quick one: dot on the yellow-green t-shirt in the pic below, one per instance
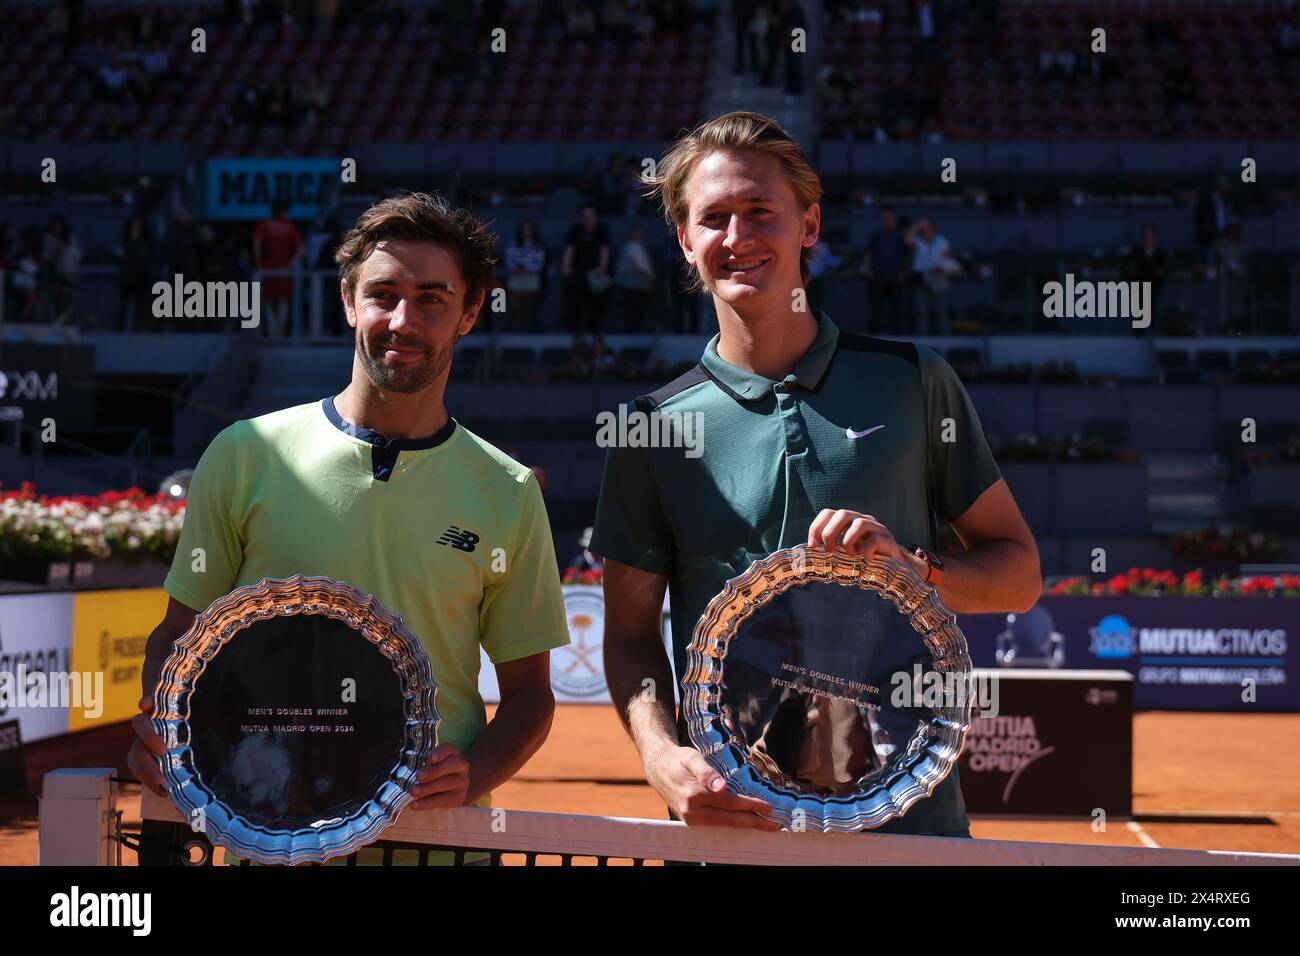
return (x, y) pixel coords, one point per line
(447, 531)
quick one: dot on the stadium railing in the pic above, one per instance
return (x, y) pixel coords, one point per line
(80, 824)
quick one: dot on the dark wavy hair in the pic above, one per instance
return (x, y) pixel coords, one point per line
(421, 217)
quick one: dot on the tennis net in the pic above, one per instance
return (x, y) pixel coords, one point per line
(518, 837)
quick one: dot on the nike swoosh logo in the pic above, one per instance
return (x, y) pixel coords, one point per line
(862, 434)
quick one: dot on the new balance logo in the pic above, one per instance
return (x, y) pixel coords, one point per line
(459, 539)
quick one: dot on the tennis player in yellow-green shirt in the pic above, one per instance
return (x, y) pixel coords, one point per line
(378, 486)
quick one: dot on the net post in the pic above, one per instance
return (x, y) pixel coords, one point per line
(78, 818)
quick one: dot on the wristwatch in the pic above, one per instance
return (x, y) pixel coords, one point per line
(933, 563)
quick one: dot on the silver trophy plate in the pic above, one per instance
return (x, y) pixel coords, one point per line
(834, 687)
(297, 713)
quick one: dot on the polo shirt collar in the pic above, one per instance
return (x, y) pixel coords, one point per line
(374, 438)
(807, 372)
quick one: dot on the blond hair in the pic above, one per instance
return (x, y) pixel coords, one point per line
(741, 131)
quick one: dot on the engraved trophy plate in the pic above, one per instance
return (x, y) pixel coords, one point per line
(834, 687)
(296, 712)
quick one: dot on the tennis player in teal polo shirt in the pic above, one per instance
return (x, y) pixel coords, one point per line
(806, 435)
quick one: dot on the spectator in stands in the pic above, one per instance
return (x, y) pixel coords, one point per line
(139, 84)
(57, 25)
(611, 187)
(1288, 47)
(246, 110)
(28, 281)
(840, 86)
(579, 21)
(113, 77)
(11, 307)
(277, 246)
(685, 296)
(93, 57)
(897, 112)
(1056, 64)
(327, 12)
(641, 20)
(672, 19)
(585, 562)
(635, 276)
(634, 188)
(134, 274)
(333, 319)
(615, 21)
(767, 31)
(525, 270)
(213, 259)
(1211, 217)
(932, 269)
(742, 19)
(274, 101)
(792, 18)
(73, 38)
(884, 263)
(62, 256)
(927, 30)
(1230, 249)
(1148, 263)
(156, 62)
(586, 267)
(180, 244)
(310, 98)
(1230, 253)
(822, 261)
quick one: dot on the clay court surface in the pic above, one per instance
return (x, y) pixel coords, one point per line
(1201, 781)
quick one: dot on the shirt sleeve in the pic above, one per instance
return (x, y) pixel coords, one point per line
(631, 527)
(523, 612)
(210, 550)
(961, 465)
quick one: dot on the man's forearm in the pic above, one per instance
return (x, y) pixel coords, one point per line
(515, 732)
(995, 576)
(640, 681)
(156, 650)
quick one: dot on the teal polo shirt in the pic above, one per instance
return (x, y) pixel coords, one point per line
(872, 425)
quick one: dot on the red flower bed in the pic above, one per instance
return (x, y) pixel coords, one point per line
(1149, 582)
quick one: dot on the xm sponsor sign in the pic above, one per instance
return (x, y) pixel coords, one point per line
(1184, 653)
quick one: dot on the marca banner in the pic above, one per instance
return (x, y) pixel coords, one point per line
(577, 670)
(1184, 653)
(109, 631)
(246, 188)
(35, 646)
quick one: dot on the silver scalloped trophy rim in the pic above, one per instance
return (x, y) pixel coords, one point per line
(186, 663)
(929, 756)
